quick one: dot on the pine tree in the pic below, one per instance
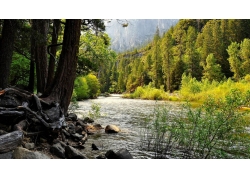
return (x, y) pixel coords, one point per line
(212, 70)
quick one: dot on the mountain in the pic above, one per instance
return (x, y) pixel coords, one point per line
(134, 33)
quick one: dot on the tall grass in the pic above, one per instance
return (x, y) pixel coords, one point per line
(215, 130)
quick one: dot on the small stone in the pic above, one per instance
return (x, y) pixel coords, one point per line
(88, 120)
(29, 145)
(78, 129)
(66, 133)
(94, 147)
(72, 116)
(101, 156)
(77, 136)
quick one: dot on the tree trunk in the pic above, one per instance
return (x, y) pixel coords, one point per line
(6, 50)
(62, 86)
(32, 64)
(51, 69)
(40, 27)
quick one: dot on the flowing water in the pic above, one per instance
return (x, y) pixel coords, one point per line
(127, 114)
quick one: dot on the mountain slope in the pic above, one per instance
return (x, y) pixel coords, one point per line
(137, 33)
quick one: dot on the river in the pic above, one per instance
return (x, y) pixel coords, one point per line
(127, 114)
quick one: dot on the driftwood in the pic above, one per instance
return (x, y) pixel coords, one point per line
(10, 141)
(32, 106)
(27, 115)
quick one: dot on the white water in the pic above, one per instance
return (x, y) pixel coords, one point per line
(127, 114)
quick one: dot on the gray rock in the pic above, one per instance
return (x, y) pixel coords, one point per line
(71, 129)
(7, 155)
(111, 129)
(101, 156)
(72, 153)
(66, 133)
(29, 146)
(110, 154)
(58, 150)
(124, 154)
(72, 116)
(88, 120)
(78, 129)
(22, 153)
(77, 136)
(81, 123)
(2, 132)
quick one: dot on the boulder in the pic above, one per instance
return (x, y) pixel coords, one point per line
(111, 129)
(22, 153)
(72, 153)
(58, 150)
(121, 154)
(124, 154)
(110, 154)
(7, 155)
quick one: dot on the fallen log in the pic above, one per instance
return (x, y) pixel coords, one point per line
(10, 141)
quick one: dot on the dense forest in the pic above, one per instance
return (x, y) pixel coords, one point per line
(215, 50)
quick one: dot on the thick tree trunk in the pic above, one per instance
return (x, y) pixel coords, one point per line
(51, 69)
(6, 50)
(32, 64)
(62, 87)
(41, 28)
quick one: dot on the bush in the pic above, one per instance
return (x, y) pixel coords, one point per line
(148, 92)
(215, 130)
(94, 85)
(81, 88)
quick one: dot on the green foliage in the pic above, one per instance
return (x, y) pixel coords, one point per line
(19, 74)
(81, 88)
(193, 90)
(94, 85)
(95, 113)
(149, 92)
(212, 70)
(215, 130)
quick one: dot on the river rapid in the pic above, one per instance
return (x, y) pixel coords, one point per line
(127, 114)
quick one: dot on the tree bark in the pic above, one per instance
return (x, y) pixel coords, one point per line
(62, 86)
(41, 28)
(6, 49)
(51, 69)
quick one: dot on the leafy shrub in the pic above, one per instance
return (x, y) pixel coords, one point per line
(94, 85)
(215, 130)
(81, 88)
